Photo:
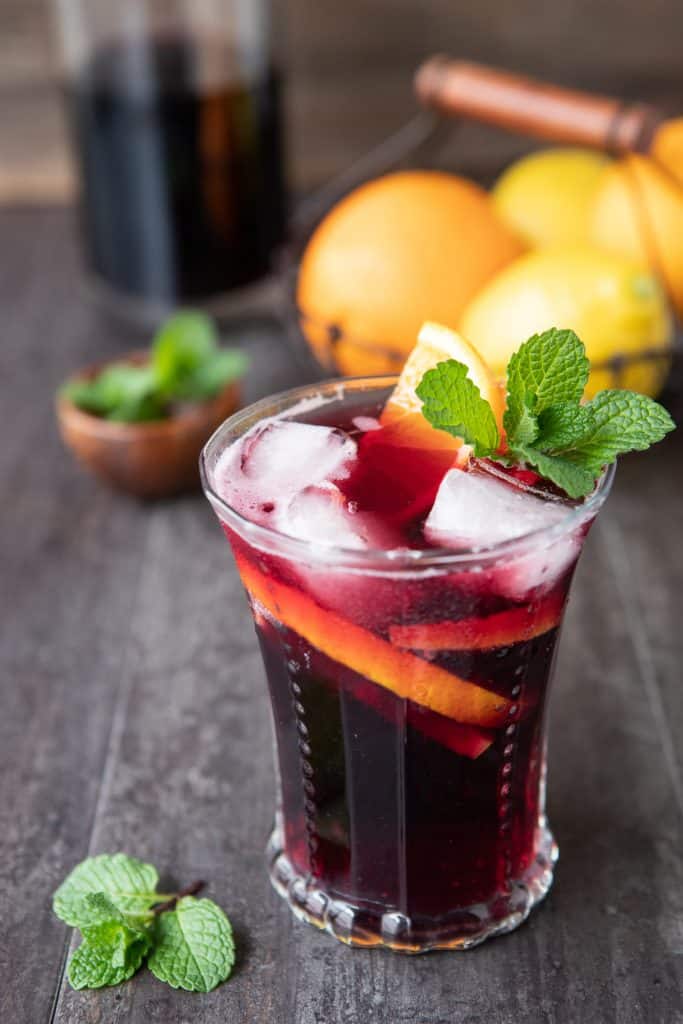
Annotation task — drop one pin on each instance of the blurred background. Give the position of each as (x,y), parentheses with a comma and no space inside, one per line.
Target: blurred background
(349,69)
(177,144)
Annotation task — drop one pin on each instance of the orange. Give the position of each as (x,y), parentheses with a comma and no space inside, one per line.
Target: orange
(401,249)
(435,344)
(638,213)
(668,146)
(402,672)
(498,630)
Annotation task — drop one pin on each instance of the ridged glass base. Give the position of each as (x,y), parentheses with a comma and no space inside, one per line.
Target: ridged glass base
(369,927)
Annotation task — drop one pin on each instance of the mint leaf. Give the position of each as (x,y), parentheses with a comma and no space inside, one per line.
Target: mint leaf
(614,422)
(526,428)
(548,369)
(186,365)
(113,946)
(181,345)
(194,947)
(564,441)
(122,391)
(574,479)
(452,402)
(561,425)
(95,908)
(128,883)
(110,954)
(212,376)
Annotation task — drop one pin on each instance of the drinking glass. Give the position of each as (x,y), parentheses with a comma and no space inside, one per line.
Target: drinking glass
(174,112)
(409,693)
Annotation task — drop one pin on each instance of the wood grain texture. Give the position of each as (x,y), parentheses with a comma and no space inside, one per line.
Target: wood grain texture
(134,716)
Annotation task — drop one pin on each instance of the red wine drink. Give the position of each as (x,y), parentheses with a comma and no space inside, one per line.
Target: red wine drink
(181,168)
(408,611)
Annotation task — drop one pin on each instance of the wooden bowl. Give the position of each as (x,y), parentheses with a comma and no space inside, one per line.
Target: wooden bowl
(150,460)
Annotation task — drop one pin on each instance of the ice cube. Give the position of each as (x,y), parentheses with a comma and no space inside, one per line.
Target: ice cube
(260,475)
(473,510)
(537,571)
(322,515)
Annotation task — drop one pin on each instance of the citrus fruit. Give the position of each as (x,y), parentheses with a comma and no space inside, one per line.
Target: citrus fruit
(638,212)
(615,305)
(478,634)
(668,146)
(547,197)
(434,345)
(401,249)
(364,652)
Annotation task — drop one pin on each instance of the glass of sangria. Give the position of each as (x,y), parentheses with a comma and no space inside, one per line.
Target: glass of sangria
(408,615)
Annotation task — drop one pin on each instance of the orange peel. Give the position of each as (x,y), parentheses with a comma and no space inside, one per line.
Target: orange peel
(435,344)
(405,674)
(502,629)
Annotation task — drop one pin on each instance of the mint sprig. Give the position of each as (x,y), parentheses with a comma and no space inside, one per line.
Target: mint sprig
(546,424)
(114,902)
(186,364)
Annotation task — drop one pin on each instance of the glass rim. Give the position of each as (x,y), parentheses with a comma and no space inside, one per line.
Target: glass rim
(398,560)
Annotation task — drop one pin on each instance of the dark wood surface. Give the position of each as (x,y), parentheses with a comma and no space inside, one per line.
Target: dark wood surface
(134,716)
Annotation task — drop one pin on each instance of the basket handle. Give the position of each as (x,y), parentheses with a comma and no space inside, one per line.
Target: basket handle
(461,88)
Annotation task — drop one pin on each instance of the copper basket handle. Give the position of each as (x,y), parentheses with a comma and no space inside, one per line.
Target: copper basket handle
(461,88)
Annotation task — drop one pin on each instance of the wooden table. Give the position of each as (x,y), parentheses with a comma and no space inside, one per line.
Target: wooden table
(134,716)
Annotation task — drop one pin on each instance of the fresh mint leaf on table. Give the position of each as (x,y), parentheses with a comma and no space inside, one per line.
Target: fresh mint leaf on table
(128,883)
(546,424)
(186,365)
(194,948)
(113,900)
(113,946)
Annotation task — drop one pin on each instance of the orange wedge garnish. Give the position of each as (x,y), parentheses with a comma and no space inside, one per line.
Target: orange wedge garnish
(479,634)
(402,672)
(435,344)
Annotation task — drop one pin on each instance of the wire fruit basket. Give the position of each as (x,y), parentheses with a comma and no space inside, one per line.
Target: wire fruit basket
(450,91)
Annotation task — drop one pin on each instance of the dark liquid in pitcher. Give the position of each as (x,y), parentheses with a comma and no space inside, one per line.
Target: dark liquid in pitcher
(181,164)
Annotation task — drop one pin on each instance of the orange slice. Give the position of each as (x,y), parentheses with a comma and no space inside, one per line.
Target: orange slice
(403,673)
(435,344)
(479,634)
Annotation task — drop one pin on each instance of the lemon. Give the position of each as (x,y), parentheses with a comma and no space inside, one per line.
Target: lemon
(546,197)
(638,212)
(617,308)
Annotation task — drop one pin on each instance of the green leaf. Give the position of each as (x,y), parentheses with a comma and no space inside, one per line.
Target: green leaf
(452,402)
(95,908)
(139,410)
(526,423)
(213,375)
(109,955)
(119,386)
(182,344)
(615,422)
(548,369)
(128,883)
(194,947)
(575,480)
(113,946)
(560,425)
